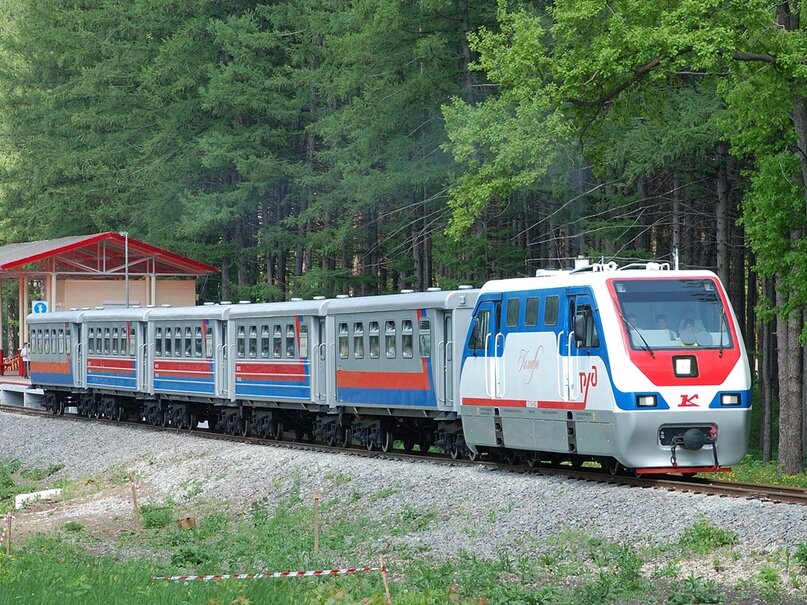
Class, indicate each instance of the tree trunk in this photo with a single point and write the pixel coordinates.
(766, 388)
(722, 218)
(790, 404)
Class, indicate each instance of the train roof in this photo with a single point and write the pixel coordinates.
(448, 299)
(590, 275)
(292, 307)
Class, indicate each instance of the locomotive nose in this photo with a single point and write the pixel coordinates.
(694, 439)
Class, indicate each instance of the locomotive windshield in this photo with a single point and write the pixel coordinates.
(673, 313)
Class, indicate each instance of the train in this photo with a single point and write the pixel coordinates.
(639, 368)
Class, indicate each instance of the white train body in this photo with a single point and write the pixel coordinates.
(553, 363)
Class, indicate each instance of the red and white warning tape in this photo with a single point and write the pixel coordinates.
(278, 574)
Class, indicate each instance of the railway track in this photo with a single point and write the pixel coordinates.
(698, 485)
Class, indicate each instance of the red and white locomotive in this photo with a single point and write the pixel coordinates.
(642, 367)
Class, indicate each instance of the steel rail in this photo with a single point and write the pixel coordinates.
(698, 485)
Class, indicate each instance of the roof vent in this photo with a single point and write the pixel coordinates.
(407, 291)
(85, 308)
(343, 296)
(581, 262)
(296, 299)
(465, 287)
(208, 304)
(226, 302)
(74, 308)
(434, 289)
(149, 306)
(244, 302)
(99, 308)
(319, 297)
(165, 305)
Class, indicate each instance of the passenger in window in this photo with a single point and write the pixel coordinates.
(661, 324)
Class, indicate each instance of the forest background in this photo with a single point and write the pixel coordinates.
(363, 146)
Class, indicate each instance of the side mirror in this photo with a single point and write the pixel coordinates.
(580, 326)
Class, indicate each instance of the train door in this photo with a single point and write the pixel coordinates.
(446, 354)
(75, 344)
(320, 354)
(487, 337)
(139, 343)
(576, 341)
(220, 356)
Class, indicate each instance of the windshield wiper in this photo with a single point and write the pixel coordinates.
(723, 322)
(635, 329)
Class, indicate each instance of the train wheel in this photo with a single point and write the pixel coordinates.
(408, 444)
(194, 422)
(163, 418)
(60, 408)
(346, 437)
(330, 440)
(370, 445)
(243, 428)
(278, 434)
(424, 445)
(532, 459)
(473, 456)
(119, 413)
(386, 441)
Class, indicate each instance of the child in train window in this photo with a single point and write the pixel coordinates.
(290, 338)
(266, 341)
(425, 338)
(277, 350)
(389, 330)
(375, 340)
(406, 339)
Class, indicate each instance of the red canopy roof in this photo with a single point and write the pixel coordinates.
(102, 254)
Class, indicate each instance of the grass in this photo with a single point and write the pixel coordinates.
(569, 568)
(753, 470)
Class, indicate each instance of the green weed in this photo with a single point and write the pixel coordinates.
(704, 537)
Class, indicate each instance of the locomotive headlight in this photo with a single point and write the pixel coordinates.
(685, 366)
(730, 399)
(646, 401)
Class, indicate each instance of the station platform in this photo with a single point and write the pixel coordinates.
(16, 390)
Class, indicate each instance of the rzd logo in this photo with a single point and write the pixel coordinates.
(587, 380)
(688, 401)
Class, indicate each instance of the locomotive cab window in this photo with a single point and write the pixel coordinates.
(585, 329)
(551, 311)
(481, 331)
(531, 313)
(513, 307)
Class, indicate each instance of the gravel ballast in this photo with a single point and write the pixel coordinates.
(478, 510)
